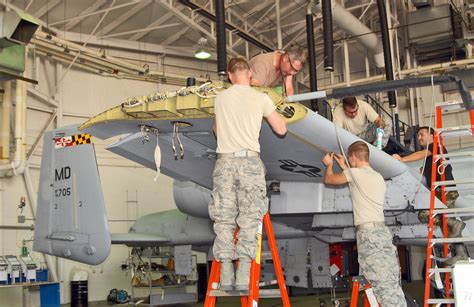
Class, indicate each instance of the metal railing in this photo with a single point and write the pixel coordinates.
(398, 125)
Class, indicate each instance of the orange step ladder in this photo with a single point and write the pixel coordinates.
(359, 283)
(250, 297)
(439, 155)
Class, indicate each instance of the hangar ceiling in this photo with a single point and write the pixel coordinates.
(174, 25)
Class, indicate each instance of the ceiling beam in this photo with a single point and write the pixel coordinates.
(96, 12)
(171, 39)
(228, 25)
(90, 9)
(27, 7)
(147, 29)
(155, 23)
(127, 45)
(124, 17)
(46, 8)
(259, 7)
(248, 29)
(287, 11)
(192, 23)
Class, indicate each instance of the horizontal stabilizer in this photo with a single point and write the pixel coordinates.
(138, 239)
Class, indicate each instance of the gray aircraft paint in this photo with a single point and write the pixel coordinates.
(304, 209)
(71, 221)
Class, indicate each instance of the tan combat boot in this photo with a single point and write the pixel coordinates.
(461, 254)
(227, 275)
(455, 227)
(242, 276)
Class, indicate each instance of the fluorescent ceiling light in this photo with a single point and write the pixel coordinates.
(202, 54)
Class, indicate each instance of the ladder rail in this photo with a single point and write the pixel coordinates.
(210, 300)
(437, 145)
(250, 298)
(430, 227)
(276, 260)
(440, 147)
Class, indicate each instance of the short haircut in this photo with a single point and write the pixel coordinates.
(360, 150)
(237, 64)
(298, 54)
(429, 129)
(350, 101)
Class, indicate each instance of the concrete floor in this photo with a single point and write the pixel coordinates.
(414, 289)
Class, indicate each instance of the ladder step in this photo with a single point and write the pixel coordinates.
(452, 240)
(263, 293)
(456, 154)
(451, 106)
(454, 161)
(455, 131)
(452, 182)
(266, 255)
(441, 270)
(220, 293)
(268, 283)
(269, 293)
(441, 301)
(458, 188)
(454, 210)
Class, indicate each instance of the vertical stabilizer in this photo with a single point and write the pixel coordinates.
(71, 220)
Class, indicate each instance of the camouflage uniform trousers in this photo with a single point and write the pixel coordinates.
(378, 262)
(239, 196)
(370, 134)
(451, 197)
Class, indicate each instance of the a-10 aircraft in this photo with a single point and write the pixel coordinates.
(171, 132)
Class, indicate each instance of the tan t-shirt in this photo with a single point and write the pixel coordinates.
(264, 70)
(358, 124)
(368, 194)
(239, 111)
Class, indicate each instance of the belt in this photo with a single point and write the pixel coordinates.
(369, 225)
(239, 154)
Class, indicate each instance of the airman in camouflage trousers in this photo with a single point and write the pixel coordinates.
(239, 195)
(378, 262)
(451, 197)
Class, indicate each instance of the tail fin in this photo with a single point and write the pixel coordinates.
(71, 220)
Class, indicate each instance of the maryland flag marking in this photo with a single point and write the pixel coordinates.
(73, 140)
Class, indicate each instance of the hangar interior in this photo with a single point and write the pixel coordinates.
(80, 58)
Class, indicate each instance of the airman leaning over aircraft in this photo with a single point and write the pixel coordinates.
(378, 259)
(269, 68)
(359, 118)
(239, 190)
(455, 227)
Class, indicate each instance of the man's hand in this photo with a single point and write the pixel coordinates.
(328, 159)
(340, 160)
(379, 122)
(329, 176)
(397, 156)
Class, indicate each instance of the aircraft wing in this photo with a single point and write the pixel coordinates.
(296, 157)
(181, 125)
